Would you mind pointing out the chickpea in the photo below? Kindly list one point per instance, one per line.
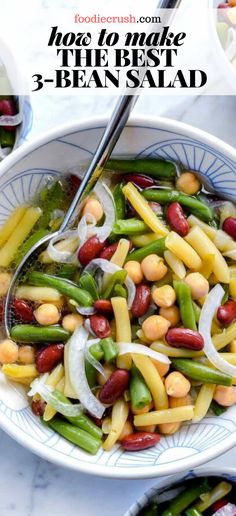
(198, 284)
(155, 327)
(161, 367)
(188, 183)
(47, 314)
(8, 351)
(72, 321)
(171, 314)
(126, 430)
(134, 271)
(143, 410)
(225, 396)
(180, 402)
(232, 346)
(232, 3)
(26, 355)
(5, 280)
(93, 207)
(108, 371)
(146, 428)
(153, 267)
(164, 296)
(169, 428)
(177, 385)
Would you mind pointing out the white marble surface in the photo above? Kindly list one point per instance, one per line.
(29, 486)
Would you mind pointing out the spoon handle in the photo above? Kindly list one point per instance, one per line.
(105, 147)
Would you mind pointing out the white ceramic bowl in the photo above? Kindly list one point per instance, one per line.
(221, 60)
(166, 483)
(22, 175)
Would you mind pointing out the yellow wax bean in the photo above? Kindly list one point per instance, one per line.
(180, 248)
(8, 227)
(24, 381)
(143, 209)
(159, 417)
(17, 237)
(169, 351)
(232, 287)
(68, 389)
(121, 252)
(207, 266)
(141, 335)
(153, 381)
(204, 246)
(38, 294)
(120, 412)
(194, 221)
(225, 337)
(203, 401)
(142, 240)
(123, 328)
(55, 376)
(175, 264)
(20, 371)
(49, 411)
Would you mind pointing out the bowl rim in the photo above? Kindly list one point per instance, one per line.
(142, 472)
(172, 479)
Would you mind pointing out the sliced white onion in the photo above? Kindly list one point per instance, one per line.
(230, 254)
(151, 310)
(11, 120)
(140, 349)
(95, 363)
(169, 495)
(76, 349)
(111, 268)
(85, 310)
(62, 256)
(56, 214)
(213, 301)
(67, 410)
(35, 384)
(86, 228)
(87, 325)
(106, 199)
(227, 510)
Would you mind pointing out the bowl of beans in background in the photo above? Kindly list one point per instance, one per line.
(199, 492)
(210, 166)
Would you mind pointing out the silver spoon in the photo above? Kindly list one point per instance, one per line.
(105, 147)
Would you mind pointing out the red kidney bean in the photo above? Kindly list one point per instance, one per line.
(156, 207)
(177, 219)
(229, 226)
(185, 338)
(218, 505)
(139, 180)
(141, 300)
(140, 441)
(75, 182)
(223, 5)
(38, 407)
(1, 313)
(100, 326)
(103, 306)
(227, 312)
(7, 107)
(23, 310)
(90, 250)
(108, 251)
(48, 357)
(114, 387)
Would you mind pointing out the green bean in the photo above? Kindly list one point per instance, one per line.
(217, 409)
(117, 277)
(119, 291)
(152, 167)
(184, 298)
(31, 240)
(196, 207)
(197, 311)
(31, 333)
(75, 435)
(193, 512)
(97, 351)
(130, 227)
(91, 374)
(119, 200)
(67, 271)
(110, 349)
(150, 510)
(200, 372)
(139, 392)
(66, 287)
(50, 199)
(82, 421)
(226, 294)
(88, 283)
(184, 499)
(156, 247)
(7, 138)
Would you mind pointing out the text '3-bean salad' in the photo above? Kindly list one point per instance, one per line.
(125, 326)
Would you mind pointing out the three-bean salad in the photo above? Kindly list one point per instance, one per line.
(124, 328)
(196, 497)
